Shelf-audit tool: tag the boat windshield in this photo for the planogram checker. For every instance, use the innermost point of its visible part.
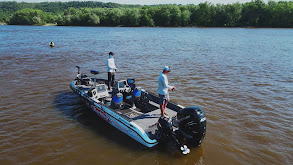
(122, 84)
(101, 89)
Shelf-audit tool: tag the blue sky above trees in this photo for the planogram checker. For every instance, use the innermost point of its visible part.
(149, 2)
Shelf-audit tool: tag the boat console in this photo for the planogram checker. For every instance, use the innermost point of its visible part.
(122, 86)
(99, 92)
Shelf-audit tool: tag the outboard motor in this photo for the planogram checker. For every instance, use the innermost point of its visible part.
(189, 124)
(165, 129)
(166, 133)
(117, 101)
(192, 125)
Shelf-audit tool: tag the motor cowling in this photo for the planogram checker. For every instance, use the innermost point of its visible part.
(192, 125)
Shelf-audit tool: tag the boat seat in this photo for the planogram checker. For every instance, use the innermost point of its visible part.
(117, 101)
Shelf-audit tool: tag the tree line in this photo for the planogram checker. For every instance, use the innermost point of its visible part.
(255, 13)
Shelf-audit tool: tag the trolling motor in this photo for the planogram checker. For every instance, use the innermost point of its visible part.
(81, 79)
(78, 76)
(189, 124)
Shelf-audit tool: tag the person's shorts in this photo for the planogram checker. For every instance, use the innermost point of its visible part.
(163, 99)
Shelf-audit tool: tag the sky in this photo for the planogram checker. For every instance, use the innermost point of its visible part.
(149, 2)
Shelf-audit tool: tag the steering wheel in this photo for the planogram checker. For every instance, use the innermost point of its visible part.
(127, 88)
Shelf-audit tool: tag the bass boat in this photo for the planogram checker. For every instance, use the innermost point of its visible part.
(136, 112)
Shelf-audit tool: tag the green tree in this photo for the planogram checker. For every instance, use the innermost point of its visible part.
(146, 18)
(185, 17)
(227, 15)
(233, 14)
(131, 17)
(93, 19)
(113, 17)
(28, 17)
(79, 17)
(162, 16)
(255, 13)
(102, 14)
(205, 14)
(281, 14)
(175, 15)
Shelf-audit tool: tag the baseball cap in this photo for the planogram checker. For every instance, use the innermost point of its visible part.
(167, 68)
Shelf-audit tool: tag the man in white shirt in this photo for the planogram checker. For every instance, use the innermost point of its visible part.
(163, 89)
(111, 70)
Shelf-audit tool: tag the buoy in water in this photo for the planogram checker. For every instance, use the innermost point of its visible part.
(51, 44)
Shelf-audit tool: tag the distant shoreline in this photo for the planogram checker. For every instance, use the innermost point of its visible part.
(254, 14)
(244, 27)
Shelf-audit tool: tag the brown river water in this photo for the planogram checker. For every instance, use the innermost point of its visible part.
(242, 79)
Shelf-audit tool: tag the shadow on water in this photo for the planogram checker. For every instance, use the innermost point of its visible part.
(71, 106)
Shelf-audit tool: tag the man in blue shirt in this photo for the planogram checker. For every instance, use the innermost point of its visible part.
(163, 89)
(111, 70)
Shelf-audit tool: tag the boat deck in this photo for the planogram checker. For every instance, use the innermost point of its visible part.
(145, 117)
(146, 120)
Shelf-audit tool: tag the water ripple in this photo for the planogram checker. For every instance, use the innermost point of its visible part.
(243, 82)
